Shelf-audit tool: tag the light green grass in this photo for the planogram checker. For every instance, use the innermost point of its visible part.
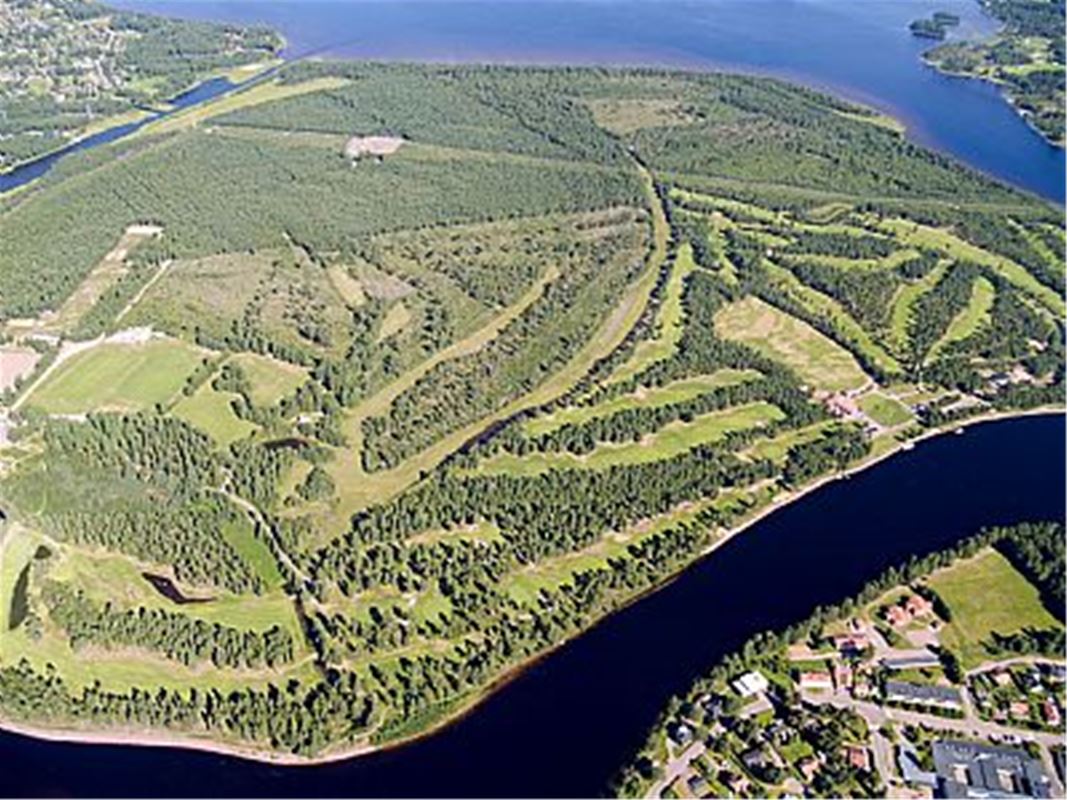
(677, 391)
(16, 550)
(818, 361)
(777, 447)
(271, 379)
(670, 322)
(914, 234)
(905, 299)
(254, 552)
(670, 441)
(211, 412)
(986, 594)
(885, 410)
(970, 318)
(825, 307)
(117, 377)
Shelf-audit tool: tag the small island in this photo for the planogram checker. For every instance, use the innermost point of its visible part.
(934, 27)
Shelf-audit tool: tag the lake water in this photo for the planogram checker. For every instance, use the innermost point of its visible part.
(39, 166)
(565, 725)
(859, 48)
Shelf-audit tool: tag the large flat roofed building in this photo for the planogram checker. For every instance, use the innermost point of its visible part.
(967, 769)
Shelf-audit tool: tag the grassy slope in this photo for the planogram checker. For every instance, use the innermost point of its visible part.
(816, 359)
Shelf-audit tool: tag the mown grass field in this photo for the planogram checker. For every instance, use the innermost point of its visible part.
(117, 377)
(211, 411)
(271, 379)
(986, 595)
(885, 410)
(818, 361)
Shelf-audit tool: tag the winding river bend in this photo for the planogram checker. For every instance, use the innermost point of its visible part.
(565, 725)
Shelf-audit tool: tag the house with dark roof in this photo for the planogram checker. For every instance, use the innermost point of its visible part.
(923, 694)
(967, 769)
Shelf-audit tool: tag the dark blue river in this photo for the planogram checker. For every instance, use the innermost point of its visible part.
(858, 48)
(564, 726)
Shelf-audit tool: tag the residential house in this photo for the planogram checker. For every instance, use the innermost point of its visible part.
(815, 681)
(923, 694)
(751, 683)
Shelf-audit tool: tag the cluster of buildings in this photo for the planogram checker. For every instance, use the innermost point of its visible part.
(44, 51)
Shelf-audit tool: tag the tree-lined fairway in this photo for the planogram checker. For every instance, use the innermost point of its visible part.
(670, 440)
(987, 595)
(973, 316)
(669, 394)
(117, 377)
(820, 362)
(669, 321)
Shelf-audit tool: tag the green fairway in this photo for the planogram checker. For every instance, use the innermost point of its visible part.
(211, 412)
(986, 594)
(674, 392)
(972, 317)
(117, 377)
(820, 362)
(950, 244)
(669, 322)
(900, 314)
(254, 551)
(885, 410)
(671, 440)
(777, 447)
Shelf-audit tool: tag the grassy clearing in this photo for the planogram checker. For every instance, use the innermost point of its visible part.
(16, 550)
(1054, 260)
(670, 322)
(827, 308)
(972, 317)
(260, 93)
(116, 579)
(819, 361)
(117, 377)
(396, 319)
(986, 594)
(484, 532)
(674, 392)
(878, 119)
(906, 297)
(726, 205)
(271, 379)
(946, 242)
(669, 441)
(350, 289)
(211, 411)
(885, 410)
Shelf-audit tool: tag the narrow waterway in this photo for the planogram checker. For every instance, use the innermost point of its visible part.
(565, 725)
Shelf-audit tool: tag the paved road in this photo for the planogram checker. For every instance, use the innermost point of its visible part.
(677, 766)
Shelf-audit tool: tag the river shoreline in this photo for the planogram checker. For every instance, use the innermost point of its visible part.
(147, 738)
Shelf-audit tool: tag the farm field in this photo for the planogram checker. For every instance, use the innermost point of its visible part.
(349, 436)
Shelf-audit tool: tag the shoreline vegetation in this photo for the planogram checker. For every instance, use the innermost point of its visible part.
(147, 738)
(1024, 59)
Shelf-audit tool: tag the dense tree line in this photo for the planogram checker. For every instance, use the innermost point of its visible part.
(175, 635)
